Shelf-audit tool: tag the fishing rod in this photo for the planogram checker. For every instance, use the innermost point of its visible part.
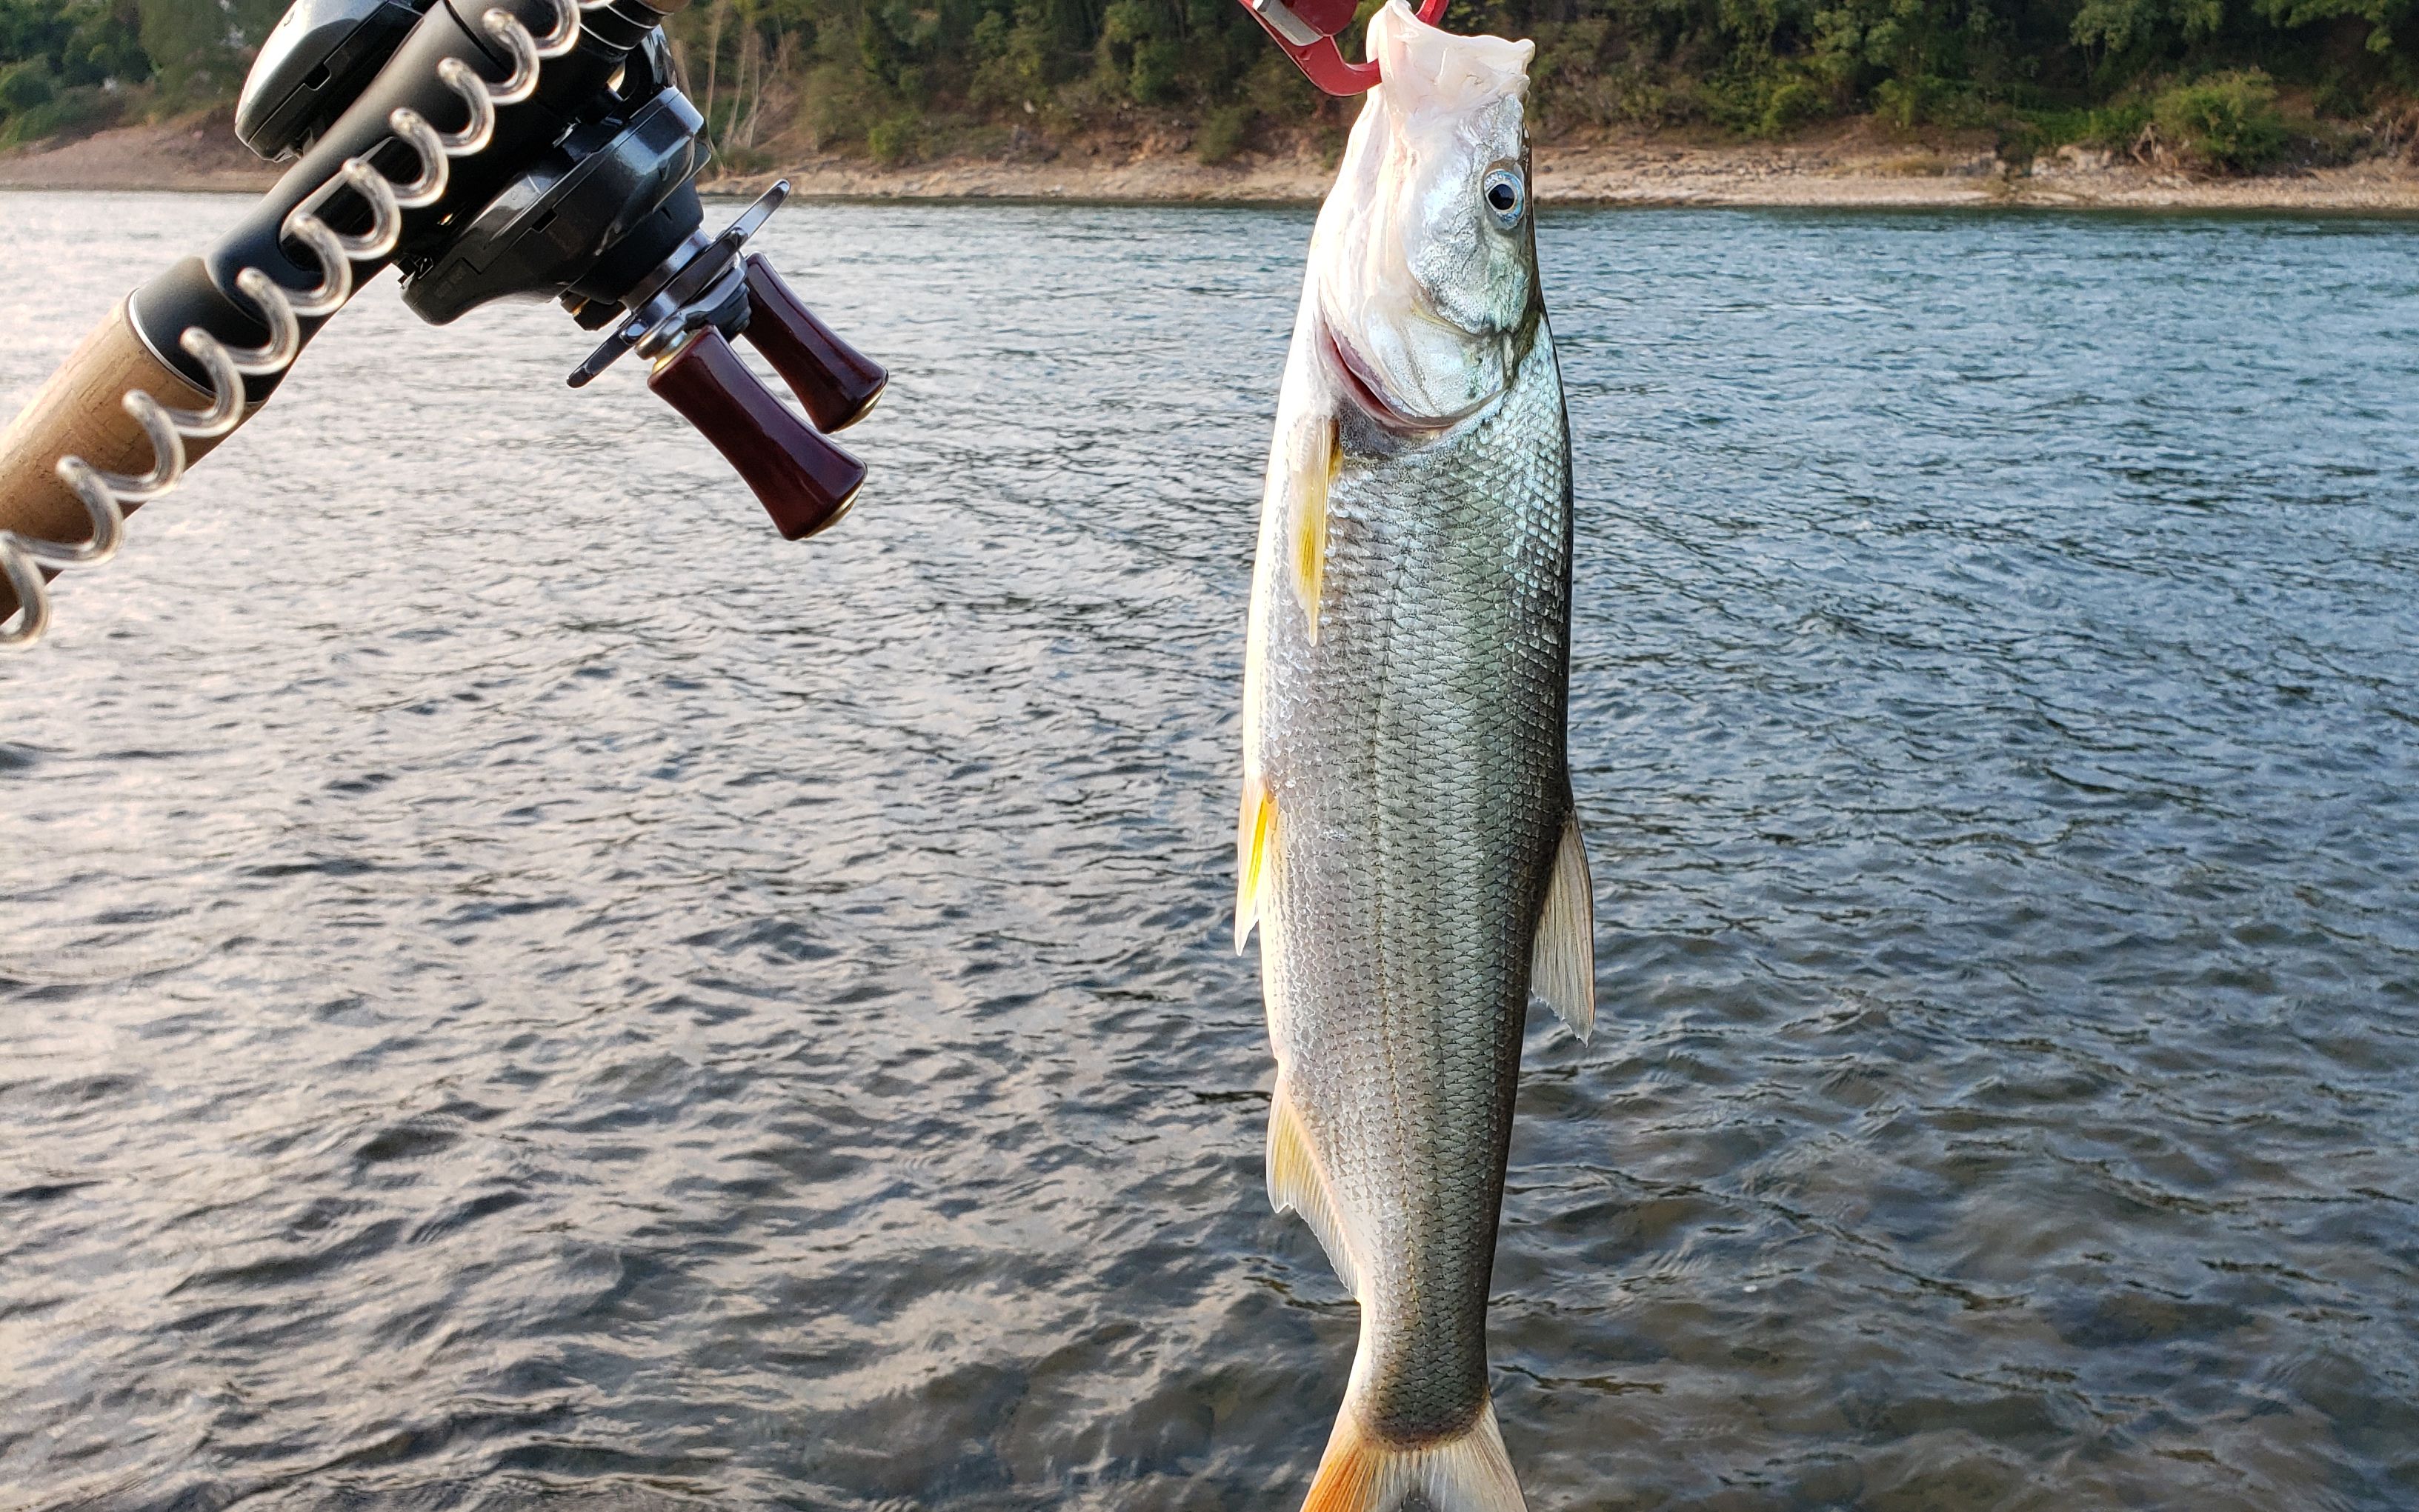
(568, 170)
(485, 149)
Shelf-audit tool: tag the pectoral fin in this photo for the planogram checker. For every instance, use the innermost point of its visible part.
(1316, 458)
(1562, 962)
(1256, 850)
(1298, 1184)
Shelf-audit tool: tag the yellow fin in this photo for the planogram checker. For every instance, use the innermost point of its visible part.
(1562, 962)
(1256, 845)
(1317, 462)
(1362, 1472)
(1297, 1184)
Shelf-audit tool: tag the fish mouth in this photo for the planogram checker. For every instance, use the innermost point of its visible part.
(1375, 397)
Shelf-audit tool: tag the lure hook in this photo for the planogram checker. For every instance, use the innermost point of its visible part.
(1306, 29)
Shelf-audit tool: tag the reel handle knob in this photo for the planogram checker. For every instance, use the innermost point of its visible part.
(836, 382)
(803, 481)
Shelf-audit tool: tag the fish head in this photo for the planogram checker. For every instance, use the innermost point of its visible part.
(1425, 261)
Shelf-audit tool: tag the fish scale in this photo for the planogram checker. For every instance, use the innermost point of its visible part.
(1416, 755)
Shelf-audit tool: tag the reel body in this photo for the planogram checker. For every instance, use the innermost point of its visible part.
(315, 61)
(603, 215)
(487, 149)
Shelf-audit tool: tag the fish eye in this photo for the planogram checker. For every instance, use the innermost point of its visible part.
(1506, 195)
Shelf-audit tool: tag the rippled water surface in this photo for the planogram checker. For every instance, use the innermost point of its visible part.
(517, 985)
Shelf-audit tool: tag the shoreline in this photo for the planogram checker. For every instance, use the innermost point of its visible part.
(1648, 174)
(1854, 166)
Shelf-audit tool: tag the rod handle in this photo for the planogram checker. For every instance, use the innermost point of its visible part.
(80, 410)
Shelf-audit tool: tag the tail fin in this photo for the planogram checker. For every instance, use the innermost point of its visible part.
(1469, 1472)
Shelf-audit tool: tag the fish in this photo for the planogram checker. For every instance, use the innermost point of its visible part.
(1407, 847)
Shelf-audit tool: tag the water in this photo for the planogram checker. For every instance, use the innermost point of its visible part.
(520, 987)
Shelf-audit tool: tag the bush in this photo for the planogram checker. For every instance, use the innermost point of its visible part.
(2336, 100)
(202, 47)
(2226, 123)
(1901, 101)
(896, 139)
(838, 103)
(1012, 64)
(25, 87)
(1792, 104)
(1222, 134)
(1925, 101)
(2035, 133)
(77, 109)
(1771, 103)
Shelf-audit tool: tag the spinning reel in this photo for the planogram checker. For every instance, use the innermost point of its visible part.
(485, 148)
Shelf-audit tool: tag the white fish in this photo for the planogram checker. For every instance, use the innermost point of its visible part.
(1407, 846)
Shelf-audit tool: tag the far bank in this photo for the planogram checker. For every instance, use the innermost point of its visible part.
(1856, 164)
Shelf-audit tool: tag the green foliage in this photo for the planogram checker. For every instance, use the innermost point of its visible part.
(36, 102)
(88, 52)
(26, 87)
(901, 79)
(2111, 129)
(77, 41)
(2384, 20)
(81, 42)
(1012, 64)
(200, 48)
(1222, 134)
(63, 66)
(2124, 29)
(896, 139)
(2228, 122)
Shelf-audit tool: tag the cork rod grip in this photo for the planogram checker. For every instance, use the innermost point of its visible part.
(80, 412)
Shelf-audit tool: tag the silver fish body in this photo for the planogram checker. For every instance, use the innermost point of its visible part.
(1416, 753)
(1407, 847)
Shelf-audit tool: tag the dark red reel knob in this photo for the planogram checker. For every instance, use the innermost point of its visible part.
(836, 382)
(804, 481)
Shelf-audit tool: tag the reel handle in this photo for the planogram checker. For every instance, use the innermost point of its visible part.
(803, 481)
(836, 382)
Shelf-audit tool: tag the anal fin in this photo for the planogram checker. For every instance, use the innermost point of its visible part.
(1297, 1183)
(1561, 960)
